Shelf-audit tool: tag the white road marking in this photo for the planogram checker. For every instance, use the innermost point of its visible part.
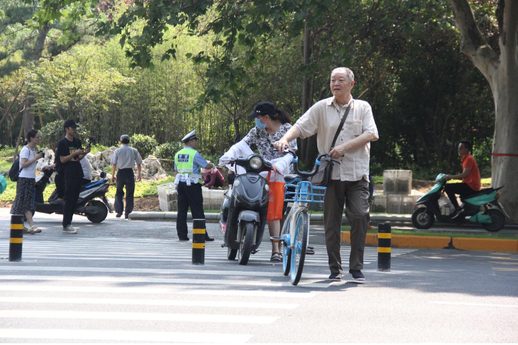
(121, 336)
(140, 316)
(471, 304)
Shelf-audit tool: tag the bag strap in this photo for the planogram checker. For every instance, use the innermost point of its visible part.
(340, 126)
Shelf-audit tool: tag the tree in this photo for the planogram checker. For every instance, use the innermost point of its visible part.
(35, 30)
(499, 65)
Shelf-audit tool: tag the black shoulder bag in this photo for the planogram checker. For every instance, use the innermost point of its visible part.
(324, 173)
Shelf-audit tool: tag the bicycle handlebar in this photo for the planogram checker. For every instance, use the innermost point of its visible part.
(307, 174)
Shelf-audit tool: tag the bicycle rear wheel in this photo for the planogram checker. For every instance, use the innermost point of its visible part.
(298, 252)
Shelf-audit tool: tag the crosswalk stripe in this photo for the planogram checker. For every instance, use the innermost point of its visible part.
(186, 271)
(45, 287)
(139, 316)
(149, 302)
(150, 280)
(169, 272)
(121, 336)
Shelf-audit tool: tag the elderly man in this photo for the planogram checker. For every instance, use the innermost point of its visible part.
(123, 161)
(350, 179)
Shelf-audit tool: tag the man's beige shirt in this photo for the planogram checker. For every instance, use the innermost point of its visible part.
(323, 119)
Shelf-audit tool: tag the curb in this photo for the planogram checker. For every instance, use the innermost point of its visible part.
(214, 217)
(398, 241)
(441, 242)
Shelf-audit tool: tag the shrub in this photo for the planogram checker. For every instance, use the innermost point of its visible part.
(145, 144)
(167, 150)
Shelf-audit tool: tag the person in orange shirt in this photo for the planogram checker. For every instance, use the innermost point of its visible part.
(470, 178)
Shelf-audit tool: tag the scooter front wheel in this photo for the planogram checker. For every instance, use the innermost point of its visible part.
(246, 242)
(423, 218)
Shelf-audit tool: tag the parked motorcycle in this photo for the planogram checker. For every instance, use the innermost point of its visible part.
(92, 201)
(243, 213)
(481, 208)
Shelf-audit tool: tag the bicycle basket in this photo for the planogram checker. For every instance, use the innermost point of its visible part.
(304, 191)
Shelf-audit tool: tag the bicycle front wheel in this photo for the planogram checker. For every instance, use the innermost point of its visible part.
(300, 244)
(285, 247)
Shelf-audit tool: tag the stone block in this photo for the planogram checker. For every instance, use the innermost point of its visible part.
(397, 182)
(167, 197)
(379, 203)
(400, 203)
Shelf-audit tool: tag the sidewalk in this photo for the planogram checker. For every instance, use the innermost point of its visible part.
(443, 236)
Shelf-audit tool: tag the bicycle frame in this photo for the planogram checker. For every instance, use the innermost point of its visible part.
(298, 222)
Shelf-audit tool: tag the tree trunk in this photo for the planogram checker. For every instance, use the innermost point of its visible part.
(28, 116)
(501, 71)
(307, 147)
(504, 165)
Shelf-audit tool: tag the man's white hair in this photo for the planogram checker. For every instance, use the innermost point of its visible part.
(347, 71)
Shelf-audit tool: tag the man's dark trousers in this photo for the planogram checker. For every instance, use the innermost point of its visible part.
(355, 196)
(125, 178)
(462, 189)
(72, 190)
(188, 197)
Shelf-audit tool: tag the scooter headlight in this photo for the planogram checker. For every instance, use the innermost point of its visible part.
(256, 163)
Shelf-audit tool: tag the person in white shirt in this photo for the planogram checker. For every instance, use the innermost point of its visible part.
(123, 161)
(87, 170)
(350, 179)
(25, 186)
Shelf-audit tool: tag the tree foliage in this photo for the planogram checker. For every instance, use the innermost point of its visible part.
(173, 66)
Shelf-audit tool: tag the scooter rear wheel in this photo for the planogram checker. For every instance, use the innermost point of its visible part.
(231, 254)
(497, 220)
(101, 211)
(423, 218)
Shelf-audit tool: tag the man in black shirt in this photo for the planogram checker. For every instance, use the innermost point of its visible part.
(70, 153)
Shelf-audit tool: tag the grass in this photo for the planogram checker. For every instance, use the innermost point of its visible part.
(142, 189)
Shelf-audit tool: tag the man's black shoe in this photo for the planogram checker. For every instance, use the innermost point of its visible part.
(335, 276)
(209, 239)
(183, 239)
(456, 215)
(118, 215)
(357, 276)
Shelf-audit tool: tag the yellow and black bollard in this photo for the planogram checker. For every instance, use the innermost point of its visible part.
(384, 246)
(198, 241)
(16, 240)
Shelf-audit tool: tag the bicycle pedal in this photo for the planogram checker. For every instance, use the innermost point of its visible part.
(310, 250)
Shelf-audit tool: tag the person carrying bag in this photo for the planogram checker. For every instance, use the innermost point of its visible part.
(325, 170)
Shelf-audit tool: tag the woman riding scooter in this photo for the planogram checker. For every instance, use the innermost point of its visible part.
(271, 124)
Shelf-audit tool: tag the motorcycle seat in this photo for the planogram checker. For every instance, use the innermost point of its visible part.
(482, 192)
(94, 184)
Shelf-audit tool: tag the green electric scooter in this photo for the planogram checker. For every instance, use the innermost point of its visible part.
(481, 208)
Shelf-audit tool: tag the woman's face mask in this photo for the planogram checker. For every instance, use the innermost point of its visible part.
(259, 124)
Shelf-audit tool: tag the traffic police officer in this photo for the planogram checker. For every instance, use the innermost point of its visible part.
(188, 163)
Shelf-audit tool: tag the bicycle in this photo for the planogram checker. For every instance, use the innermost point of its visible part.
(295, 230)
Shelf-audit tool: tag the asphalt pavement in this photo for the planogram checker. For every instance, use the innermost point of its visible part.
(132, 281)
